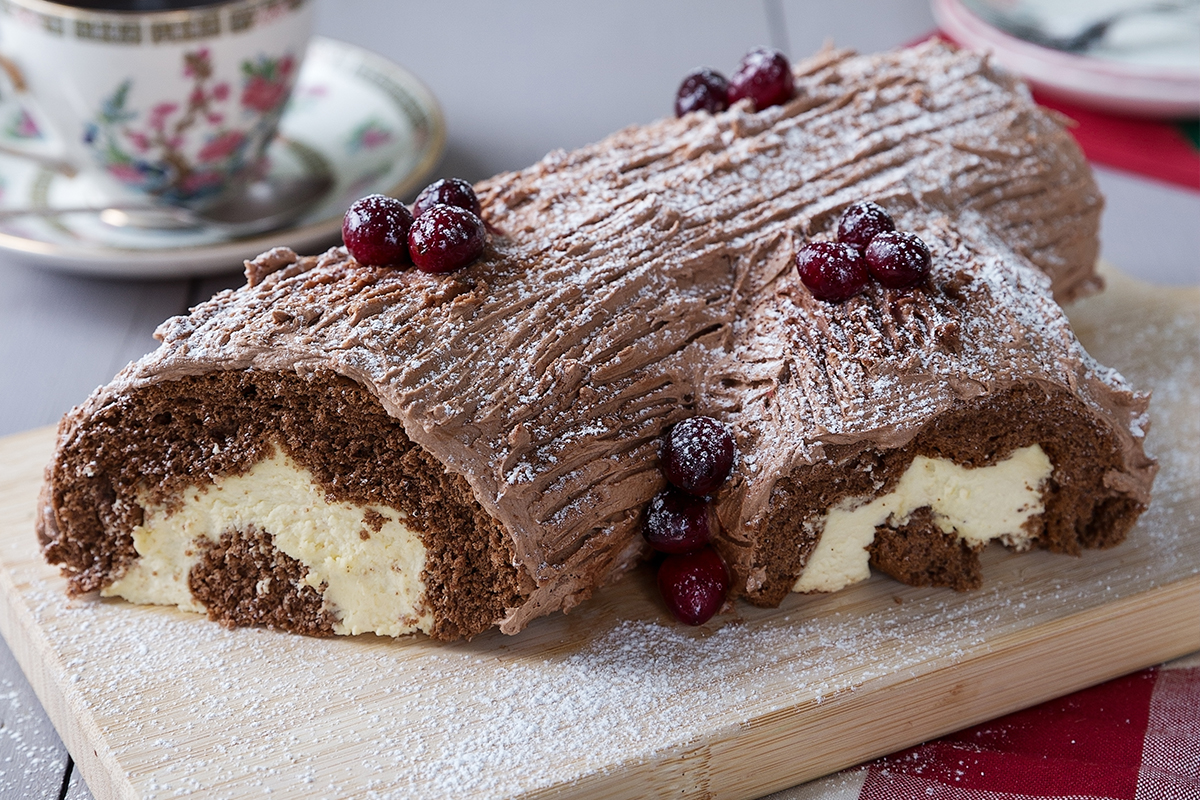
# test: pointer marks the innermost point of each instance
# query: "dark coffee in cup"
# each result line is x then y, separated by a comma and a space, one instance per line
135, 5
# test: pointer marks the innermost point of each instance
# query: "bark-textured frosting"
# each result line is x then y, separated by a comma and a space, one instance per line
647, 278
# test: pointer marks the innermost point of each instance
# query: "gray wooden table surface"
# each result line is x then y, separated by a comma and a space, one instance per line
516, 79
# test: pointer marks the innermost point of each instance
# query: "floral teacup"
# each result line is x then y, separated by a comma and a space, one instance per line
177, 104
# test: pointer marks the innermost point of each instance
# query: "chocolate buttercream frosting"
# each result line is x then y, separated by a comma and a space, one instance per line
647, 278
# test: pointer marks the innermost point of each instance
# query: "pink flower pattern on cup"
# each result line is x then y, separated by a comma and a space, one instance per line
370, 135
185, 152
23, 126
222, 146
267, 83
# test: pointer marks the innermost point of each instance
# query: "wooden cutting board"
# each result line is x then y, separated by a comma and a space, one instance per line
614, 700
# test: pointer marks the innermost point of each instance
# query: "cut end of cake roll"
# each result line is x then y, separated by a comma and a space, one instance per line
271, 498
1025, 468
907, 429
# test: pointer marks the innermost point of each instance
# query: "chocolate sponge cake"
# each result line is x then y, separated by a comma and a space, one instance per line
339, 448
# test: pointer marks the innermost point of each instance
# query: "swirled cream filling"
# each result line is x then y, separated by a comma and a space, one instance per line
978, 505
371, 577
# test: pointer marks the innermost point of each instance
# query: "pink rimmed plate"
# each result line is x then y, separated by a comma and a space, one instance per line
1148, 65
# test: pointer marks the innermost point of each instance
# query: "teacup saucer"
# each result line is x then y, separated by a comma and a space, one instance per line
354, 115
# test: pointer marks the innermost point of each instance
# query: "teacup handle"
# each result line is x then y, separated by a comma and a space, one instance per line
16, 79
18, 89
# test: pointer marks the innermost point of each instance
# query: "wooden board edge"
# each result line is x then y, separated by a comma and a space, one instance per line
67, 712
1096, 645
44, 670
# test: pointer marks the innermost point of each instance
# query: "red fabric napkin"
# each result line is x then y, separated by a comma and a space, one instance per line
1163, 150
1133, 738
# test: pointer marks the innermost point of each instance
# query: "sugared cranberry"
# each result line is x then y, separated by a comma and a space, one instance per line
450, 192
831, 270
861, 223
375, 230
677, 522
445, 238
765, 76
898, 260
702, 90
694, 585
698, 455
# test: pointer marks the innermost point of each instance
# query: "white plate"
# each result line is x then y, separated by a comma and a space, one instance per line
1148, 66
367, 122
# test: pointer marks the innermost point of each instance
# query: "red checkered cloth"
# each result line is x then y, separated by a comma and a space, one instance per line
1133, 738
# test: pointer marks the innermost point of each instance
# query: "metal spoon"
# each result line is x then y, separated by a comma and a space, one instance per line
261, 206
1083, 40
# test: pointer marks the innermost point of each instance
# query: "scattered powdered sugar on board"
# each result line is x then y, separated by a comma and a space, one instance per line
190, 706
1153, 339
32, 758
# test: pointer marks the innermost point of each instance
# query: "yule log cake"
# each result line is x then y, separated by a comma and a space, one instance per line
339, 448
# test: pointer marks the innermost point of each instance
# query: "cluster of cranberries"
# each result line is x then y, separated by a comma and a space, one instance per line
868, 246
764, 75
696, 458
442, 233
